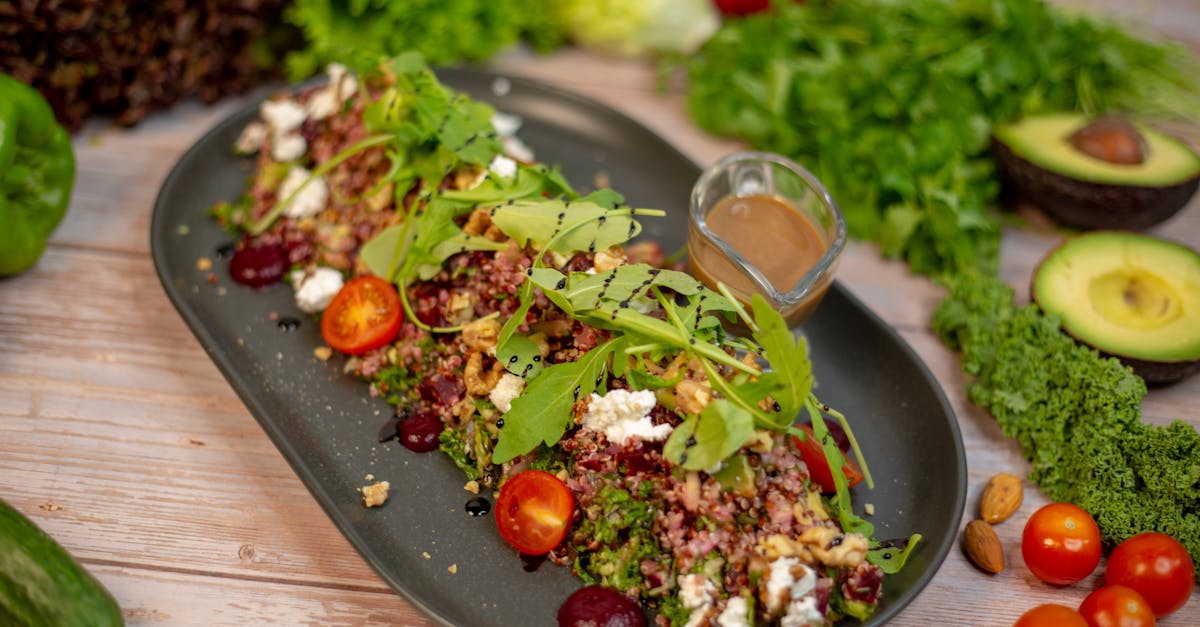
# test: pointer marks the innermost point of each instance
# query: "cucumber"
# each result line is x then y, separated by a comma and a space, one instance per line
41, 585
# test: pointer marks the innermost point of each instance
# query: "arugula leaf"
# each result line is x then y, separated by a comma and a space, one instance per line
543, 412
566, 226
520, 356
890, 555
790, 378
702, 442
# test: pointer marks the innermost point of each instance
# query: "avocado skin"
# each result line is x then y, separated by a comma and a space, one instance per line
1086, 205
1158, 373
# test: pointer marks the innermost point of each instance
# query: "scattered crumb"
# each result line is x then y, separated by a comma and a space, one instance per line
211, 278
369, 477
375, 494
204, 264
272, 316
221, 290
183, 229
323, 353
453, 568
426, 555
472, 487
869, 508
601, 180
50, 507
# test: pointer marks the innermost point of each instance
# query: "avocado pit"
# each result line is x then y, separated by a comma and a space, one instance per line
1111, 139
1101, 173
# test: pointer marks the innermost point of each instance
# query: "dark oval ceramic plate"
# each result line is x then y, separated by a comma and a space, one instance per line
326, 425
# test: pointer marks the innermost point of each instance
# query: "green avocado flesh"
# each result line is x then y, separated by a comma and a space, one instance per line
1126, 294
1045, 142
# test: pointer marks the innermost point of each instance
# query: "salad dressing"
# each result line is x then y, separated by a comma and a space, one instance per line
771, 234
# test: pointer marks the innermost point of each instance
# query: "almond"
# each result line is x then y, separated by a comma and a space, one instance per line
983, 546
1001, 498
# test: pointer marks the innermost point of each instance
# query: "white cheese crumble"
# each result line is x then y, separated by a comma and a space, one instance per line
506, 123
251, 139
696, 593
785, 589
803, 613
284, 117
736, 613
328, 100
507, 388
623, 415
503, 167
311, 198
315, 289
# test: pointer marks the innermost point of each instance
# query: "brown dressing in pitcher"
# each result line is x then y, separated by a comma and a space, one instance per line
769, 232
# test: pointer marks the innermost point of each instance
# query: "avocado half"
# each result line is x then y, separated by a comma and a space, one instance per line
1132, 296
1040, 163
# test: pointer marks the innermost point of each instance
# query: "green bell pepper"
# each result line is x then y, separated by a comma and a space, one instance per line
37, 171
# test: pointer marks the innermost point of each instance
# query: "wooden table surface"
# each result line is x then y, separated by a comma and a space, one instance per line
121, 439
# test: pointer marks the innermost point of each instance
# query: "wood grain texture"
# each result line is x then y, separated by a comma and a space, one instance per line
119, 436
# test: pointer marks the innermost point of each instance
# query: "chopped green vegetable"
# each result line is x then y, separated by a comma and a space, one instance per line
1076, 415
891, 103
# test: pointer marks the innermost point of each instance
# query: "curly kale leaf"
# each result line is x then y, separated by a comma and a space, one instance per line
1076, 415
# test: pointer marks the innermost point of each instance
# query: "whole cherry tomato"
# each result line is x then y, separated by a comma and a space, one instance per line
1061, 543
365, 314
1051, 615
534, 511
818, 467
1116, 606
1157, 567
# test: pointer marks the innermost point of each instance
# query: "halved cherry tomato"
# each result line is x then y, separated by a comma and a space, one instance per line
365, 314
1157, 567
818, 467
1116, 606
1051, 615
1061, 543
534, 511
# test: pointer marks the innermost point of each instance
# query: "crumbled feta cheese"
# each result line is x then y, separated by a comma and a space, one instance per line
288, 147
517, 149
328, 100
623, 415
311, 198
283, 116
736, 614
251, 139
503, 167
507, 388
803, 613
788, 582
506, 123
315, 289
696, 593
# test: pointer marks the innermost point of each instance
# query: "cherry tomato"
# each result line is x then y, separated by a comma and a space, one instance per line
365, 314
1061, 543
1051, 615
534, 511
818, 467
1116, 606
741, 7
1157, 567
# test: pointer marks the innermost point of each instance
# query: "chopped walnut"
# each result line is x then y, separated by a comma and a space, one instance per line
477, 222
375, 494
834, 549
478, 381
608, 259
692, 396
481, 335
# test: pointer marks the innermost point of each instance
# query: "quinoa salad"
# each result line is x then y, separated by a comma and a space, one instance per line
680, 470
